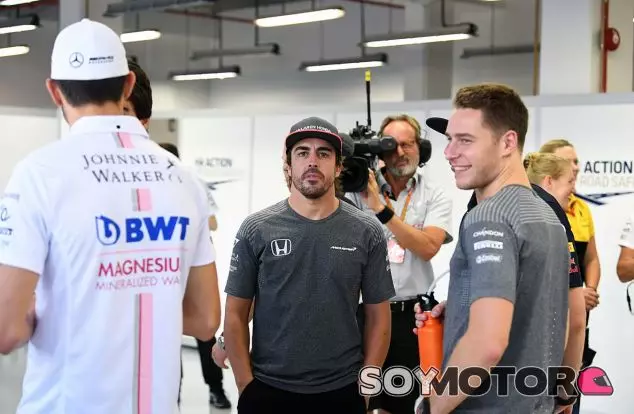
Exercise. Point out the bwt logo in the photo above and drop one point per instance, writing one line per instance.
(135, 230)
(281, 247)
(4, 213)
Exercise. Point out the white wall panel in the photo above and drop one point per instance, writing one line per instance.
(21, 135)
(601, 135)
(226, 144)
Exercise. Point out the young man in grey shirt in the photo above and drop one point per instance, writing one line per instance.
(508, 293)
(305, 261)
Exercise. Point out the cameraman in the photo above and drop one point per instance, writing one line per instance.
(416, 218)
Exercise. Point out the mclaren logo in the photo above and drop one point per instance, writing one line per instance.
(281, 247)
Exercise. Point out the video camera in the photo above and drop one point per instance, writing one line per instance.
(365, 152)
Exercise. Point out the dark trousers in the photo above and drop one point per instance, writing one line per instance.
(260, 398)
(588, 357)
(212, 373)
(403, 352)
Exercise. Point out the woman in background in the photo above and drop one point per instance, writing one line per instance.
(552, 173)
(557, 177)
(582, 224)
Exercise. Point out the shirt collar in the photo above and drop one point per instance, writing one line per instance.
(100, 124)
(473, 201)
(385, 187)
(572, 200)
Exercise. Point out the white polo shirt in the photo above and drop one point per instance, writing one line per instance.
(112, 223)
(428, 206)
(627, 233)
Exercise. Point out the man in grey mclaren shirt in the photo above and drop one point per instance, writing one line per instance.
(305, 261)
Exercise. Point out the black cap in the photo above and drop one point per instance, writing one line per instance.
(314, 127)
(348, 145)
(438, 124)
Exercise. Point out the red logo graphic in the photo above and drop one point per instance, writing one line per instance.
(594, 381)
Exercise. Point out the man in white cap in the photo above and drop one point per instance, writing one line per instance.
(105, 251)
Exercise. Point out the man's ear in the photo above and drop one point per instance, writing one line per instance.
(128, 86)
(510, 140)
(54, 92)
(339, 169)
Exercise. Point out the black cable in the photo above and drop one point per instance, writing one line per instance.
(363, 52)
(627, 297)
(443, 17)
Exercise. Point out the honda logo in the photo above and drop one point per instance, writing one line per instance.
(281, 247)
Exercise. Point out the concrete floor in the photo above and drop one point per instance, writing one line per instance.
(195, 398)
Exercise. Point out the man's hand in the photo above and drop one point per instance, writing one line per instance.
(591, 297)
(563, 410)
(371, 196)
(219, 356)
(421, 316)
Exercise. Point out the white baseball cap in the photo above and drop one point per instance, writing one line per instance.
(88, 50)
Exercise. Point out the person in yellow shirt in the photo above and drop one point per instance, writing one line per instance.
(582, 224)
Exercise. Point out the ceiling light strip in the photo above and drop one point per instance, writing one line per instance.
(318, 15)
(15, 2)
(21, 24)
(219, 73)
(362, 62)
(14, 51)
(444, 34)
(140, 36)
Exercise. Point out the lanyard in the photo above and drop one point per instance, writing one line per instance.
(407, 200)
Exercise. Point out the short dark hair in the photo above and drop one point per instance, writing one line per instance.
(502, 108)
(141, 97)
(97, 92)
(170, 147)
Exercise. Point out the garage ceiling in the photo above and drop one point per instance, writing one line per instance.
(228, 5)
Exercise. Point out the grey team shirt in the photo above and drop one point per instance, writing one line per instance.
(306, 277)
(512, 246)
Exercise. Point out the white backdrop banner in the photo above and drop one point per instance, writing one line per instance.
(601, 136)
(21, 135)
(220, 149)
